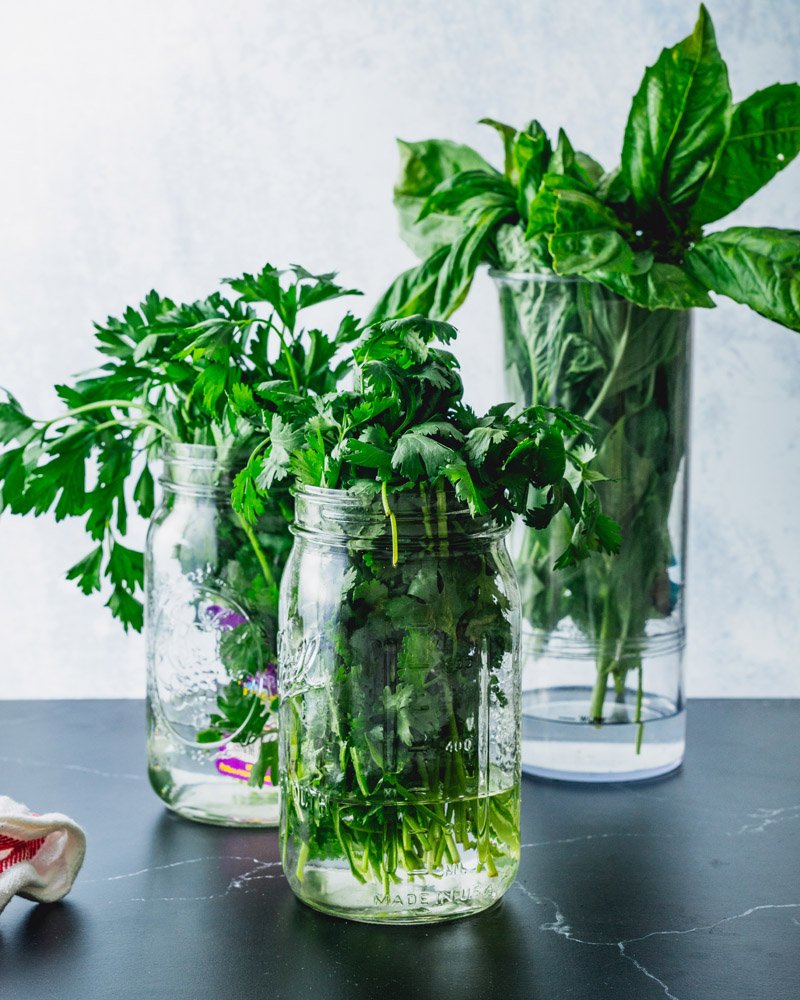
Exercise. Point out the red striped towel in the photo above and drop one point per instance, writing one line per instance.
(40, 855)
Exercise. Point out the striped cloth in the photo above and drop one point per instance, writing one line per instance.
(40, 855)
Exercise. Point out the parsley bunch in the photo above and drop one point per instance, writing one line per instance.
(193, 373)
(189, 373)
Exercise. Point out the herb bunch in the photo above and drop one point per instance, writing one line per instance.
(405, 426)
(611, 343)
(188, 373)
(690, 156)
(379, 759)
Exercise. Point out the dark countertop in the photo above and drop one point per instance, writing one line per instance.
(686, 888)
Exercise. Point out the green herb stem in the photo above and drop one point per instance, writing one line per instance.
(259, 552)
(387, 510)
(105, 405)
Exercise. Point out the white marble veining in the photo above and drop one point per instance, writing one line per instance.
(559, 925)
(94, 772)
(137, 156)
(259, 871)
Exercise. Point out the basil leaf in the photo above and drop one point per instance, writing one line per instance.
(542, 210)
(462, 261)
(515, 253)
(453, 194)
(508, 134)
(757, 267)
(678, 121)
(413, 291)
(586, 236)
(423, 166)
(530, 158)
(591, 170)
(662, 286)
(563, 159)
(764, 138)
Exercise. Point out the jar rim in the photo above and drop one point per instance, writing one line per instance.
(195, 469)
(498, 274)
(357, 501)
(179, 451)
(336, 514)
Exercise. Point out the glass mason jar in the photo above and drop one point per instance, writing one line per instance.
(603, 642)
(211, 632)
(399, 718)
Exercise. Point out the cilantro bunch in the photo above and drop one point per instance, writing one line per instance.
(380, 766)
(405, 425)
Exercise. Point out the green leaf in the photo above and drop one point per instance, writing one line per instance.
(144, 493)
(316, 288)
(211, 384)
(241, 398)
(372, 450)
(508, 135)
(542, 209)
(530, 157)
(458, 269)
(284, 438)
(678, 121)
(586, 237)
(515, 253)
(245, 497)
(13, 421)
(125, 567)
(423, 166)
(764, 138)
(457, 192)
(62, 480)
(415, 451)
(757, 267)
(127, 609)
(13, 476)
(267, 762)
(591, 170)
(413, 291)
(87, 571)
(481, 438)
(562, 160)
(461, 479)
(662, 286)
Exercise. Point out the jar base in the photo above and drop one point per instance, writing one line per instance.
(559, 742)
(408, 921)
(407, 903)
(214, 803)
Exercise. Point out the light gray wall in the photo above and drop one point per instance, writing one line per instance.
(166, 144)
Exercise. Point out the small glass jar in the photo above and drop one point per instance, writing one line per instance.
(399, 718)
(211, 628)
(603, 641)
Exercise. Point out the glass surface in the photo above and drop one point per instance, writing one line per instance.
(604, 641)
(211, 624)
(399, 720)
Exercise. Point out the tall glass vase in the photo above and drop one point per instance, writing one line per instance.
(603, 642)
